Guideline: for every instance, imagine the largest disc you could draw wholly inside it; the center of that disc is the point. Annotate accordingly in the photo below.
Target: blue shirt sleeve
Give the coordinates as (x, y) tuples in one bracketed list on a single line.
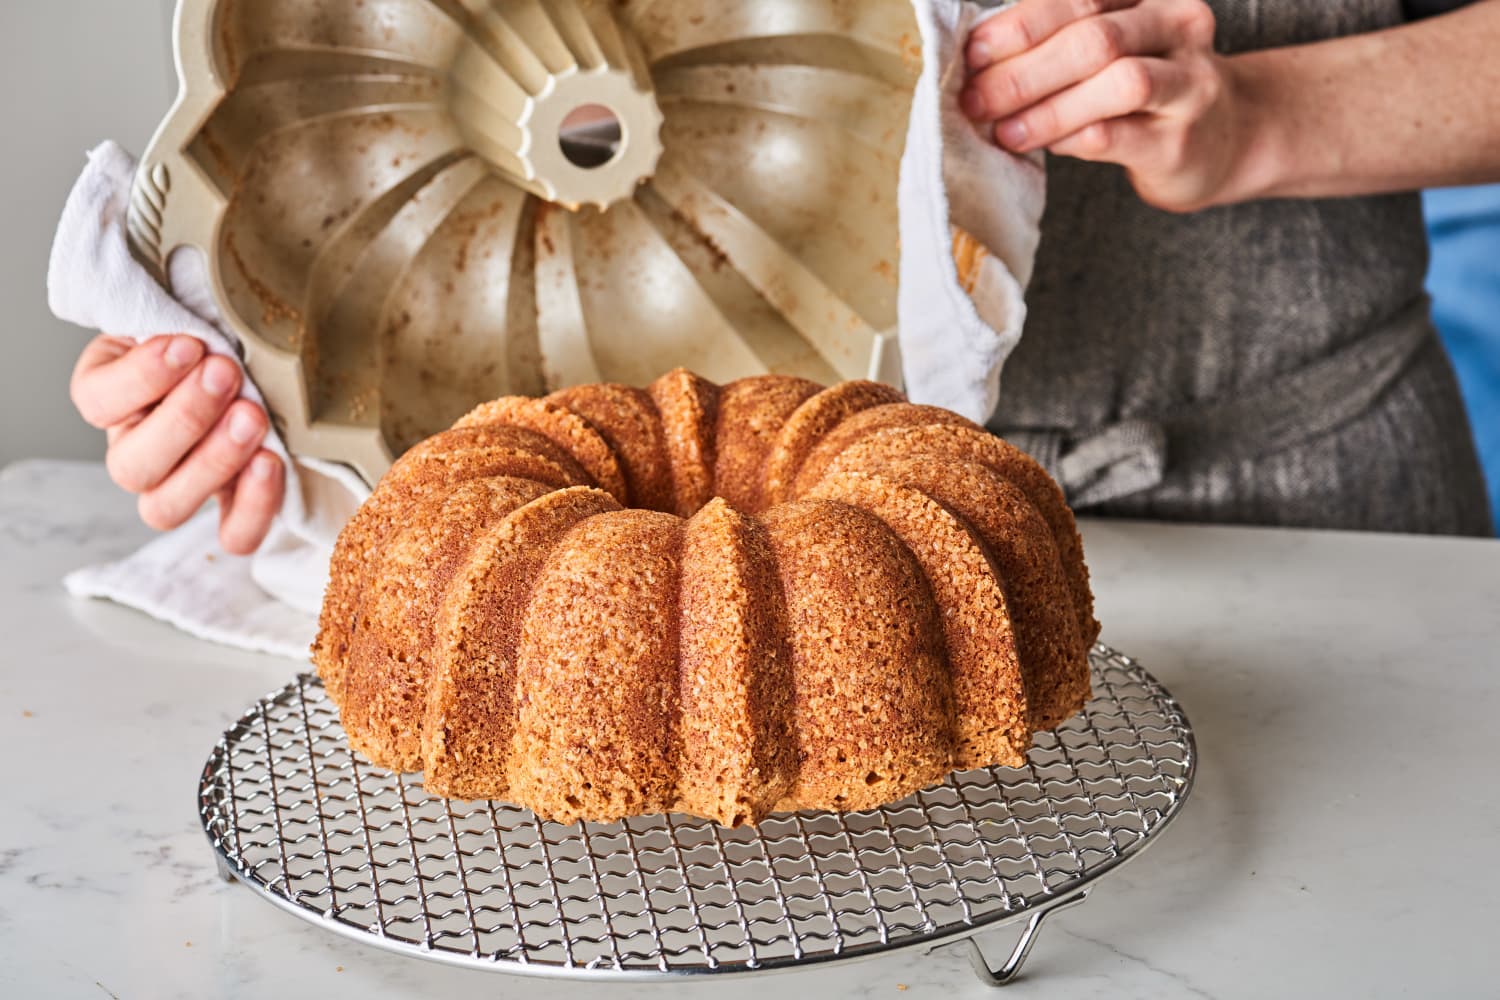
[(1464, 279)]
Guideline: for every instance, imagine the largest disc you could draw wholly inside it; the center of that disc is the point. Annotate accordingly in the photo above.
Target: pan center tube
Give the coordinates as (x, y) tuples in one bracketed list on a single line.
[(591, 136), (562, 105)]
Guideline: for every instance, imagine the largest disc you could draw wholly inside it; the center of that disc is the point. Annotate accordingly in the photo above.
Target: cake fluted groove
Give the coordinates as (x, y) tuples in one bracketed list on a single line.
[(1020, 544), (808, 424), (469, 747), (627, 419), (735, 685), (597, 674), (385, 703), (436, 464), (562, 427), (872, 701), (988, 693), (688, 406), (883, 433)]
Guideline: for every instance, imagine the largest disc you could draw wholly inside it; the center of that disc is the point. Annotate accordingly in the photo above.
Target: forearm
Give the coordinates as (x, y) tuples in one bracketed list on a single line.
[(1410, 107)]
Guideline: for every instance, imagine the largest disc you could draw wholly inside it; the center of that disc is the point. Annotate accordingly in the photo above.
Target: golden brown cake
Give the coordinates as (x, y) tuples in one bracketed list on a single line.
[(724, 601)]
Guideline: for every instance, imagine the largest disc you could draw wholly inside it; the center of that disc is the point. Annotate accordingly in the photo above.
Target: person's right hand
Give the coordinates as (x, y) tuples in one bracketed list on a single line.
[(1132, 82), (178, 434)]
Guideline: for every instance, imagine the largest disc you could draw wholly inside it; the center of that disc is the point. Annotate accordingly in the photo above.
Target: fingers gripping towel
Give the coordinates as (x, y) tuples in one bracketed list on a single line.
[(268, 602), (956, 329)]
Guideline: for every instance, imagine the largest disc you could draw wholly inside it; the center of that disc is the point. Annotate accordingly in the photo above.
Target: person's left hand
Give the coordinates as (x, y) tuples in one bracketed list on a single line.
[(1133, 82)]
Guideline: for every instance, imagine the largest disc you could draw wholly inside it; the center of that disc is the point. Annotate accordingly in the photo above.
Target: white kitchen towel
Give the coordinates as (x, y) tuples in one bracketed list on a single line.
[(956, 334), (268, 602), (954, 338)]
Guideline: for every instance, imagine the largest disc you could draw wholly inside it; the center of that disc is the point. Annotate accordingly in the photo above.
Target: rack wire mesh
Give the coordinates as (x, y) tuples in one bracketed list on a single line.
[(293, 813)]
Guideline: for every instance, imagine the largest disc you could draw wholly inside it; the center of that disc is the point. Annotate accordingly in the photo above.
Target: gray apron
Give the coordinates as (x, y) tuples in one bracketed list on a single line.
[(1269, 363)]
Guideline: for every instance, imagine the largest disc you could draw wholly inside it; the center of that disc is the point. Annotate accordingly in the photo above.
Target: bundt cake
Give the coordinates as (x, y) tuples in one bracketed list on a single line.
[(723, 601)]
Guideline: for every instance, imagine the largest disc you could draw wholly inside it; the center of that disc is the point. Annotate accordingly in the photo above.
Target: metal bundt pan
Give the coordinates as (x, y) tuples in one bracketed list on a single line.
[(411, 206)]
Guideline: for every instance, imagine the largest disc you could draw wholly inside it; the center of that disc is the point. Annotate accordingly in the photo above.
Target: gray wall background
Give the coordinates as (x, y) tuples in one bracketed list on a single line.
[(72, 73)]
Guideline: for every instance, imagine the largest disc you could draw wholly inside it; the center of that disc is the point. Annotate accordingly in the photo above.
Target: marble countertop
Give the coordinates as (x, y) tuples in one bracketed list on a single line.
[(1342, 837)]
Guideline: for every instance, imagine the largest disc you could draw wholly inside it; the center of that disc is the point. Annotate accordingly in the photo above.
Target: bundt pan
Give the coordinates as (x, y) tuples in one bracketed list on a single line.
[(411, 206)]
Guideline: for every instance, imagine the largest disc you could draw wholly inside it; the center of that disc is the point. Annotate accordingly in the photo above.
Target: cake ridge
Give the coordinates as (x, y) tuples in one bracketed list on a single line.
[(752, 412), (687, 406)]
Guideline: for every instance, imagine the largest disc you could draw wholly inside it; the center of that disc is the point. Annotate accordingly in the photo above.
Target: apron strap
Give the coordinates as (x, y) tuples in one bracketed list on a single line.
[(1133, 455)]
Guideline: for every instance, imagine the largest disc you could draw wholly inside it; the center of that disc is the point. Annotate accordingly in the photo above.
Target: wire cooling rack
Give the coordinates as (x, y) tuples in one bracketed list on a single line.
[(293, 813)]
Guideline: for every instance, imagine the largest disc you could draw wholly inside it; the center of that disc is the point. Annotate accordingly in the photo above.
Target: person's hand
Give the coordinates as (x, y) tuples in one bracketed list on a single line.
[(179, 434), (1133, 82)]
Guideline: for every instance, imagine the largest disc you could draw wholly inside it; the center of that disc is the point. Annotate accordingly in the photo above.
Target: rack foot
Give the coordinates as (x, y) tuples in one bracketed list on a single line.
[(1008, 972), (223, 866)]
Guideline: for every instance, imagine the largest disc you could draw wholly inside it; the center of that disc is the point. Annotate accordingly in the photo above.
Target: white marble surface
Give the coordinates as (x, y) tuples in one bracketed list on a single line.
[(1342, 839)]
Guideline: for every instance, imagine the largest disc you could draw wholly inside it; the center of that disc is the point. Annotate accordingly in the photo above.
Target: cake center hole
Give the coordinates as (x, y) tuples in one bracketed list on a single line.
[(591, 136)]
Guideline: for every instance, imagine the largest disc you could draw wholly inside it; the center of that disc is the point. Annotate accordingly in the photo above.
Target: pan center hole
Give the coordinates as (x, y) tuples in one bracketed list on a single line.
[(591, 136)]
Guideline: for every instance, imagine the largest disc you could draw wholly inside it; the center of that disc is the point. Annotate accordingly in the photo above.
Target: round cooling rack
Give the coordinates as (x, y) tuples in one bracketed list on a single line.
[(295, 815)]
